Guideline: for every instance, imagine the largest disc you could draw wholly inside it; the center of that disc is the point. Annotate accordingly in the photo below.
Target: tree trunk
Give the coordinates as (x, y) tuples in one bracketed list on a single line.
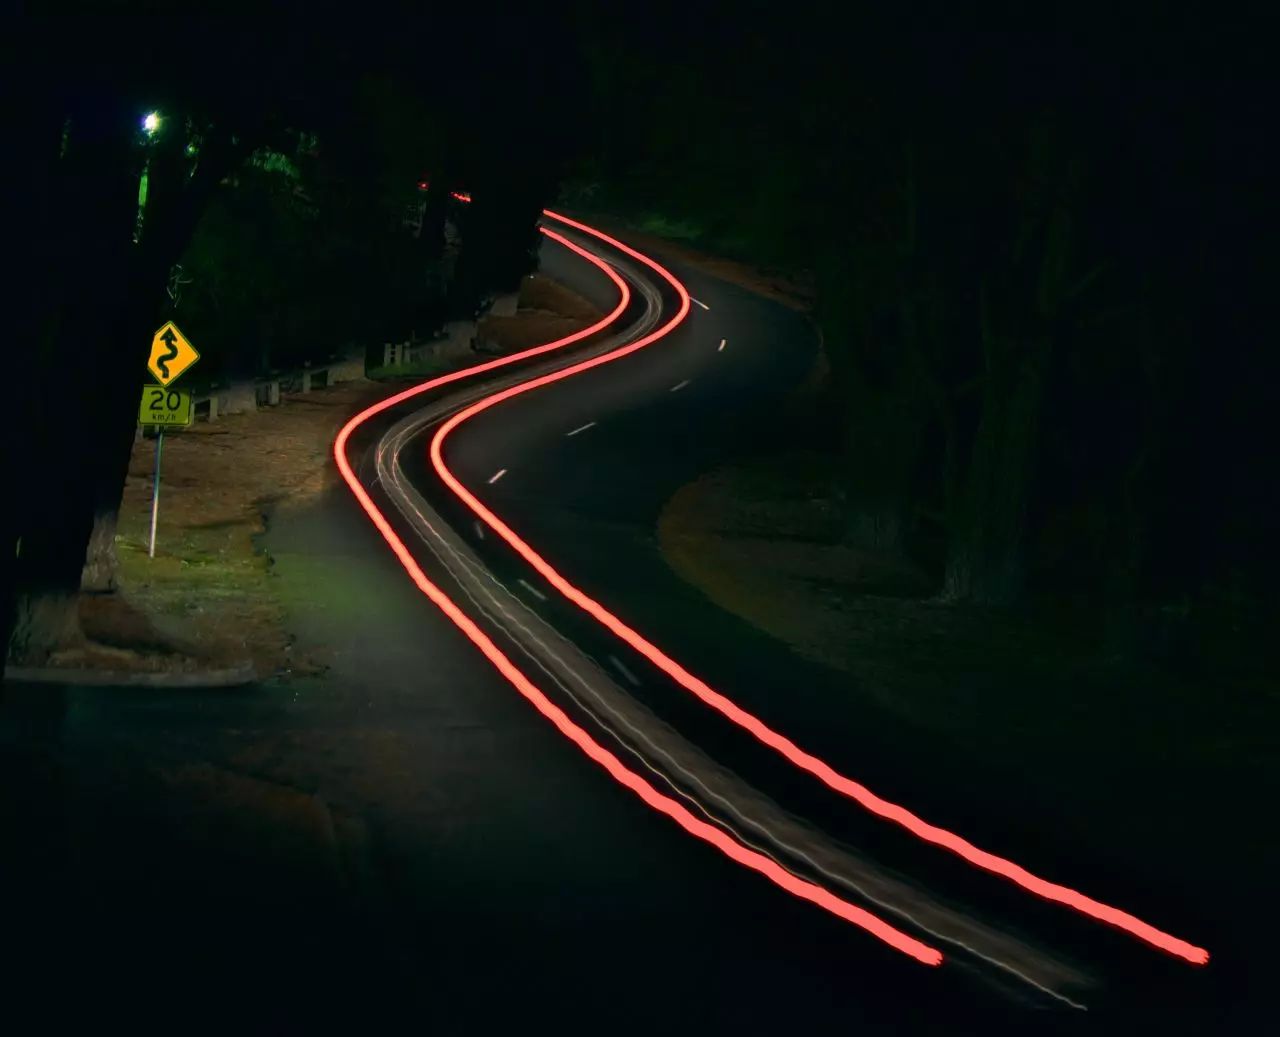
[(45, 623), (431, 241), (882, 440), (90, 265), (27, 189), (109, 473), (102, 565), (48, 567), (985, 563), (985, 557)]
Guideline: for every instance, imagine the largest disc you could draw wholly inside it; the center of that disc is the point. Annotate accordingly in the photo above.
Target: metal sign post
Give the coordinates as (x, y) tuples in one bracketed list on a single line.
[(155, 494)]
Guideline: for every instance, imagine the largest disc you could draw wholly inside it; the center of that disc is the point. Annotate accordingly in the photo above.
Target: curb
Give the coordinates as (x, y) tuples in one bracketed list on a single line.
[(118, 679)]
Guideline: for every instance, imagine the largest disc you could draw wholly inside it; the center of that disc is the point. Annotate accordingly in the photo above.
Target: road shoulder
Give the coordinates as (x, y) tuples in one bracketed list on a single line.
[(206, 610)]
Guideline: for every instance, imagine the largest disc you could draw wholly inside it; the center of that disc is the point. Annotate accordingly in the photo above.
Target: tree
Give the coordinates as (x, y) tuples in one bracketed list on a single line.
[(34, 216), (875, 309), (105, 289), (1028, 306)]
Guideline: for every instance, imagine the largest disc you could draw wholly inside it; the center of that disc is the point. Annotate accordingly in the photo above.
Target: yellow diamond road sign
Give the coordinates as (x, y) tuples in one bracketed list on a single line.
[(171, 354), (164, 407)]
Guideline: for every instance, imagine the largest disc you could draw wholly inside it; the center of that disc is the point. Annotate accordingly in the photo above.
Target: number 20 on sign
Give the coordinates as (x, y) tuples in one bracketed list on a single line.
[(166, 408)]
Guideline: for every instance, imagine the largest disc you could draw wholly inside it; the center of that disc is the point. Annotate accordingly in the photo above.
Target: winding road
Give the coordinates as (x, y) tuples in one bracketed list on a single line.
[(570, 459), (495, 812)]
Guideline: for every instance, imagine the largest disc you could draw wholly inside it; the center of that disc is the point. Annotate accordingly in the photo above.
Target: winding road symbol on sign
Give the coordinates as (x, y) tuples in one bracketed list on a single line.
[(171, 354), (162, 362)]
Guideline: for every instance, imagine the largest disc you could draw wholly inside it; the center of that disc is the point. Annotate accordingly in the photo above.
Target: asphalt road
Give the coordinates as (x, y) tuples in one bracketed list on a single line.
[(588, 462), (405, 839)]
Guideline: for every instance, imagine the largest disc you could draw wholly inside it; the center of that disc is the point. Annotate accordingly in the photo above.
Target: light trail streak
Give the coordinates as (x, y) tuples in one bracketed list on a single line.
[(634, 726), (622, 669), (531, 589)]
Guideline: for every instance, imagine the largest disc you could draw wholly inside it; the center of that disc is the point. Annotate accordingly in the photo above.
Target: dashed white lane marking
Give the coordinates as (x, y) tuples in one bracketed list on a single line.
[(497, 475), (479, 530), (677, 388), (699, 302), (580, 428), (624, 671), (532, 589), (720, 348)]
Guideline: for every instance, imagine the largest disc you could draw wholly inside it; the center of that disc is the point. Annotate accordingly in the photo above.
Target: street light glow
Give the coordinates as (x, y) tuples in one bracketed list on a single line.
[(151, 123)]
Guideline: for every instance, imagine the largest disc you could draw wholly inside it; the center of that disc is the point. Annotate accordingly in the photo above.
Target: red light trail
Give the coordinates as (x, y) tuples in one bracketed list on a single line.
[(762, 732), (672, 808)]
